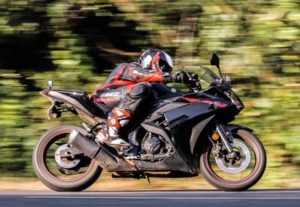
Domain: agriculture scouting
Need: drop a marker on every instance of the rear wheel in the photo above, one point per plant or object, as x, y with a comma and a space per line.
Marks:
59, 172
241, 173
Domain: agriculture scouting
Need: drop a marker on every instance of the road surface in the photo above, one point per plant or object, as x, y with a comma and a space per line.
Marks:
275, 198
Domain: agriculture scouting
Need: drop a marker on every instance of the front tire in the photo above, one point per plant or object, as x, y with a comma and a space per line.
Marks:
54, 176
223, 181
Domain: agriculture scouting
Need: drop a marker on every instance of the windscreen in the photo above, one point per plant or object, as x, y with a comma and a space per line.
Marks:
206, 76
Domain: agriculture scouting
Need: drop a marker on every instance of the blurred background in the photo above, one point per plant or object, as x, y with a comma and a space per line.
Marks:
76, 43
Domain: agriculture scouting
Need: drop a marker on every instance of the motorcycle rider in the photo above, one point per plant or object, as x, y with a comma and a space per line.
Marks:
126, 88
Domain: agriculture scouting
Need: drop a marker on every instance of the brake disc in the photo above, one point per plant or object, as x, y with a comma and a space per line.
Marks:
245, 157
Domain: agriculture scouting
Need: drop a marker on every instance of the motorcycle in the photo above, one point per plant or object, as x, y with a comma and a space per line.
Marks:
179, 135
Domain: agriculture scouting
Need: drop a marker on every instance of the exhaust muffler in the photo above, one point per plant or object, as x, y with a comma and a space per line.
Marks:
84, 144
105, 158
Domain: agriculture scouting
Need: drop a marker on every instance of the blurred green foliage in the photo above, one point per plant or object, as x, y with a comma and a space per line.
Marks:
77, 43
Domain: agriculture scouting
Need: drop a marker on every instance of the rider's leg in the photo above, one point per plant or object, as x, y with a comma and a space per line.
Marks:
117, 118
121, 115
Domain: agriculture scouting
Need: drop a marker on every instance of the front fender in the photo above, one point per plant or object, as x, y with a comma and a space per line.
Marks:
198, 128
235, 127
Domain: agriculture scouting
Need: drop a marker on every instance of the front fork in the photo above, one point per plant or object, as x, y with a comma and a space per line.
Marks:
225, 136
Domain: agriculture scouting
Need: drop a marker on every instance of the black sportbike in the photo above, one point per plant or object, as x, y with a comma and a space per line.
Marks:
180, 134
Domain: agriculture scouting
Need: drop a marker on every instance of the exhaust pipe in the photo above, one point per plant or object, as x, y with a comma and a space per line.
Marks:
105, 158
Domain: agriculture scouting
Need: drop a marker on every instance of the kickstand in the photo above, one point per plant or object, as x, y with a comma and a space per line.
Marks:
148, 179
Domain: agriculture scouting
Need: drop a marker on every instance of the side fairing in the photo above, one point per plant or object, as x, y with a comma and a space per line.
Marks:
187, 122
198, 107
190, 111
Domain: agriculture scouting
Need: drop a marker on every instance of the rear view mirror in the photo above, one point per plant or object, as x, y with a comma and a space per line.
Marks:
215, 60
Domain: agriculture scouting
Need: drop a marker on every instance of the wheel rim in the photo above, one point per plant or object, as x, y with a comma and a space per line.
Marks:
229, 177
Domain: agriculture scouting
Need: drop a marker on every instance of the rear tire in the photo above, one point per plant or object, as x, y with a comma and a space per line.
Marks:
43, 172
244, 183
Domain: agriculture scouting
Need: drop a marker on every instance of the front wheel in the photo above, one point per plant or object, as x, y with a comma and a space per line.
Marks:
60, 172
241, 174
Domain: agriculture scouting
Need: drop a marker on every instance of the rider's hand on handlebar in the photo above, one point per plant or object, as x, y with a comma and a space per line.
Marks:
181, 76
191, 80
193, 77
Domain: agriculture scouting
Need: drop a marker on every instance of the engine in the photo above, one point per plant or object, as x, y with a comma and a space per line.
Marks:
154, 147
151, 144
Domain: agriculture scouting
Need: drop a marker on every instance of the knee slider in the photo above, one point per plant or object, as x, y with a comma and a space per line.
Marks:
139, 91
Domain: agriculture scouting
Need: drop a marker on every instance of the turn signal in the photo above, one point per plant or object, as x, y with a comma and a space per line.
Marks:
215, 136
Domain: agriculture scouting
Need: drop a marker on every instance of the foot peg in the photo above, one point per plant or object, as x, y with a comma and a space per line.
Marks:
118, 143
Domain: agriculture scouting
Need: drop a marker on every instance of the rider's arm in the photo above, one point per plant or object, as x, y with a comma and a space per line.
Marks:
139, 74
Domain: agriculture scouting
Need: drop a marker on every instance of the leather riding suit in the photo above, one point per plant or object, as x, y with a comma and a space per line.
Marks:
124, 91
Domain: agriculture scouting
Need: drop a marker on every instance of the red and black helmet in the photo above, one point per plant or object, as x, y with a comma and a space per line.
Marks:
156, 60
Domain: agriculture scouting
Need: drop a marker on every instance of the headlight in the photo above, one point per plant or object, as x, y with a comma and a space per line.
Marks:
235, 99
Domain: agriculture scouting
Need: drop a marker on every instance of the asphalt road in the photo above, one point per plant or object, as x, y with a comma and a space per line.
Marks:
151, 198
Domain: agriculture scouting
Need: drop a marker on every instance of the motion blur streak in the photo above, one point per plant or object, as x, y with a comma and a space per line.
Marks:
77, 43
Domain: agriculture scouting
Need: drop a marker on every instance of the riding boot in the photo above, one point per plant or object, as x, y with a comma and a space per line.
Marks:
117, 118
